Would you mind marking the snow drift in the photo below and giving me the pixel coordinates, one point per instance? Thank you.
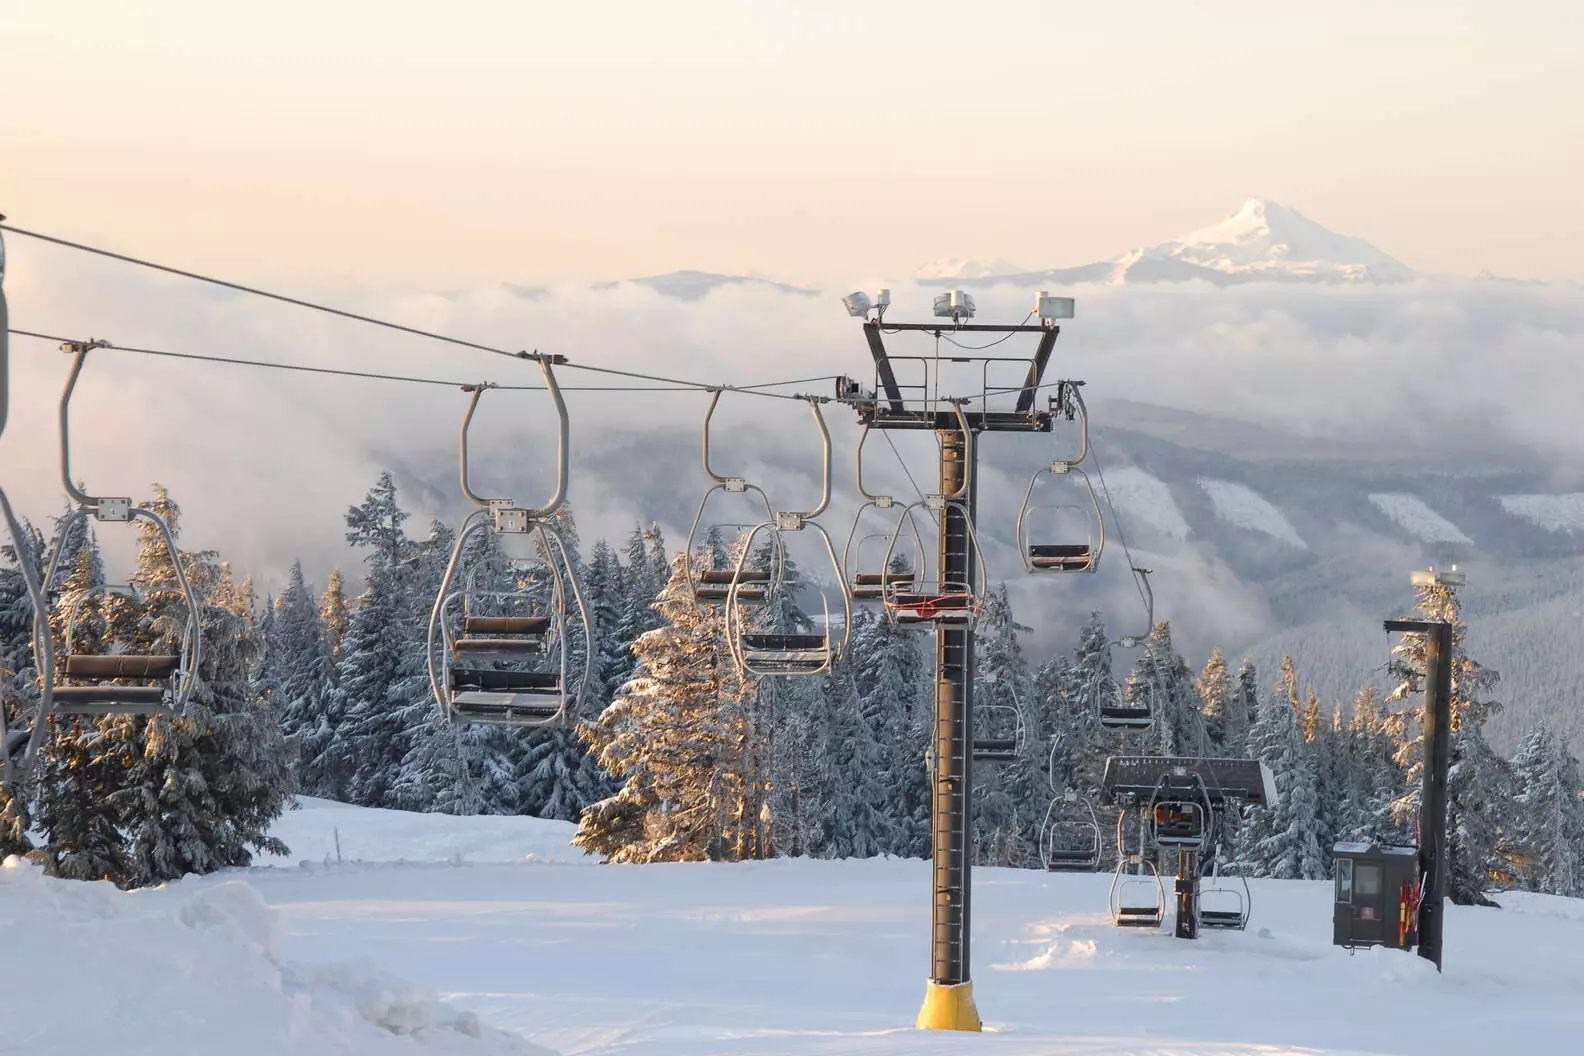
(93, 969)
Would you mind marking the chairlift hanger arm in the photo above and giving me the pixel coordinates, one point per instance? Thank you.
(79, 351)
(563, 452)
(739, 483)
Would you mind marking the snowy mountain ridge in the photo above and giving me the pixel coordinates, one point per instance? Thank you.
(1262, 241)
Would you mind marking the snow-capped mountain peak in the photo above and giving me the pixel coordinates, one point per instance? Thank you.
(1264, 236)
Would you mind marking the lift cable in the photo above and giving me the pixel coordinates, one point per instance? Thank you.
(401, 328)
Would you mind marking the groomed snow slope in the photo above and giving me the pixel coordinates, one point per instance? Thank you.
(797, 957)
(1413, 516)
(1243, 507)
(1554, 513)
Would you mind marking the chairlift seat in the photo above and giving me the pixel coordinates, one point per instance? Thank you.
(111, 700)
(995, 750)
(1221, 918)
(880, 579)
(726, 577)
(507, 709)
(1138, 917)
(784, 642)
(1066, 861)
(1124, 718)
(746, 595)
(497, 648)
(474, 680)
(120, 665)
(536, 626)
(1068, 556)
(932, 608)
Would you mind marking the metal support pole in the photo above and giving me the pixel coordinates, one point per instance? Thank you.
(949, 1000)
(1433, 807)
(1187, 894)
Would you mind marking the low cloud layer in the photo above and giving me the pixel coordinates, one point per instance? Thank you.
(265, 463)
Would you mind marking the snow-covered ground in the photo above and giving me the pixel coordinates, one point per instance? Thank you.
(1243, 507)
(1554, 513)
(772, 957)
(1413, 516)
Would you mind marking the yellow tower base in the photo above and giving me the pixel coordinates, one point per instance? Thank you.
(948, 1008)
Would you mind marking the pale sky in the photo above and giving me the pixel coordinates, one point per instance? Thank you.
(437, 145)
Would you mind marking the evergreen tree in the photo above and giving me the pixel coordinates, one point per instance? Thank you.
(669, 738)
(1549, 835)
(205, 786)
(1479, 791)
(1215, 690)
(295, 673)
(895, 702)
(1282, 839)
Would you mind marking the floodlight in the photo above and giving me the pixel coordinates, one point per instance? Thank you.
(1049, 307)
(883, 300)
(857, 304)
(1432, 578)
(954, 304)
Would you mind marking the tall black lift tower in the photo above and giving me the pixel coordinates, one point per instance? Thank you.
(916, 402)
(1437, 763)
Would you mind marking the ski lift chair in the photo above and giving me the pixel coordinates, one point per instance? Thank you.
(871, 579)
(760, 653)
(715, 586)
(1222, 905)
(1137, 899)
(1077, 550)
(1181, 812)
(461, 655)
(1006, 742)
(1081, 852)
(125, 683)
(1117, 712)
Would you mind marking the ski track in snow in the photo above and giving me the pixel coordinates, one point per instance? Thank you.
(1413, 516)
(780, 957)
(1243, 507)
(1554, 513)
(1147, 498)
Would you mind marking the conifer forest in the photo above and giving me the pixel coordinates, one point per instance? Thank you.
(675, 756)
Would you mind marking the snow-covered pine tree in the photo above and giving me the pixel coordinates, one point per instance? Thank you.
(1373, 778)
(894, 701)
(1282, 839)
(669, 740)
(333, 613)
(1215, 690)
(83, 762)
(369, 707)
(1479, 786)
(1242, 710)
(295, 672)
(1549, 833)
(1179, 722)
(206, 786)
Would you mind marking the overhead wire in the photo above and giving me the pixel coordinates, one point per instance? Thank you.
(399, 327)
(335, 371)
(376, 376)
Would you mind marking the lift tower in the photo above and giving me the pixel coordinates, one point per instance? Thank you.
(915, 402)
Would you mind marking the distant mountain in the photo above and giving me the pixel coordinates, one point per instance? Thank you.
(1261, 242)
(694, 285)
(961, 268)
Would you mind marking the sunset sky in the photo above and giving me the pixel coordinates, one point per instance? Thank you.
(433, 145)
